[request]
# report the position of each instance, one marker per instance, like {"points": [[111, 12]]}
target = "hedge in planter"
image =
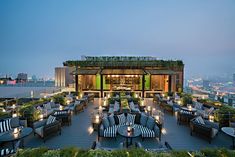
{"points": [[225, 114], [76, 152]]}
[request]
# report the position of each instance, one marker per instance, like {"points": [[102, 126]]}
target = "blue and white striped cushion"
{"points": [[111, 131], [185, 112], [6, 151], [50, 119], [121, 118], [60, 112], [130, 118], [5, 125], [145, 132]]}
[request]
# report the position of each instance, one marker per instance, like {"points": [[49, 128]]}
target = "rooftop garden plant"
{"points": [[186, 99], [224, 115], [124, 61], [133, 152]]}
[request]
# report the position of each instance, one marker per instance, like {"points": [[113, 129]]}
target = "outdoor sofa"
{"points": [[147, 125], [45, 128], [208, 130]]}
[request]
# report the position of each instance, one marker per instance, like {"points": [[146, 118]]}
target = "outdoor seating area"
{"points": [[134, 122]]}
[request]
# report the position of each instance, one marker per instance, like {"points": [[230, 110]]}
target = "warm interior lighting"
{"points": [[142, 103], [14, 115], [108, 95], [77, 97], [104, 102], [3, 110], [13, 106], [149, 108], [81, 95]]}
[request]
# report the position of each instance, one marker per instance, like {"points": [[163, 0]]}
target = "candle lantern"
{"points": [[128, 129], [211, 118], [16, 131]]}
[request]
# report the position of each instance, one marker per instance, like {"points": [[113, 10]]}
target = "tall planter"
{"points": [[224, 115]]}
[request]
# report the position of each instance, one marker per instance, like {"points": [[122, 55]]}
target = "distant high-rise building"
{"points": [[206, 83], [62, 77], [22, 78]]}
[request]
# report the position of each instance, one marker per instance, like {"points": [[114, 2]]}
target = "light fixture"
{"points": [[68, 102], [128, 129], [41, 117], [157, 118], [61, 107], [14, 115], [16, 130], [211, 118]]}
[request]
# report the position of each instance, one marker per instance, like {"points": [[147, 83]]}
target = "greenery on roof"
{"points": [[124, 61]]}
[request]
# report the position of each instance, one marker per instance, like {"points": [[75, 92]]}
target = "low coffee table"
{"points": [[11, 137], [122, 130], [231, 132]]}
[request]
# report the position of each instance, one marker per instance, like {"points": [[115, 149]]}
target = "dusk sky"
{"points": [[38, 35]]}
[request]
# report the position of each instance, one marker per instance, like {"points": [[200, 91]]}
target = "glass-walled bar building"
{"points": [[144, 75]]}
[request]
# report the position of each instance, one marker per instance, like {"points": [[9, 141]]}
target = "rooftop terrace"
{"points": [[81, 134]]}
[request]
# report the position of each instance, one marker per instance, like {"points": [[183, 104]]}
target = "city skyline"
{"points": [[37, 36]]}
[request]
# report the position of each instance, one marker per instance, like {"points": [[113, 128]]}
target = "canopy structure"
{"points": [[85, 72], [160, 72], [123, 72]]}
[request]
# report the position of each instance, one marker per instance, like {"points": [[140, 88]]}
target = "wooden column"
{"points": [[76, 83], [101, 85], [143, 84], [169, 83]]}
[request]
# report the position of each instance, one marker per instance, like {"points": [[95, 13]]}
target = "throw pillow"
{"points": [[116, 119], [47, 106], [50, 119], [122, 118], [150, 123], [111, 120], [137, 118], [5, 125], [200, 120], [143, 119], [130, 118], [105, 122]]}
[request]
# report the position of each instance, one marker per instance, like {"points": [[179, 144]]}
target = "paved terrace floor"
{"points": [[80, 134]]}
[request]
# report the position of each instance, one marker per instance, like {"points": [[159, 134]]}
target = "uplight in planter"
{"points": [[211, 118], [41, 117]]}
